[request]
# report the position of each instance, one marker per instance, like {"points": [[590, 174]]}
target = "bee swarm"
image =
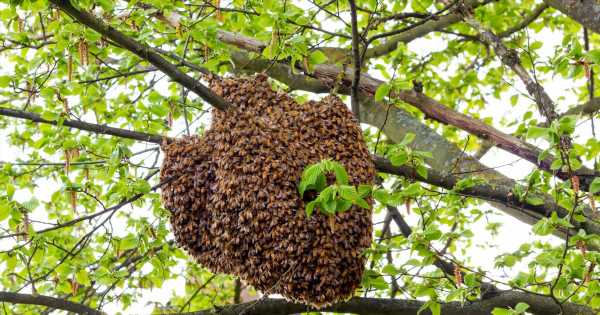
{"points": [[234, 198]]}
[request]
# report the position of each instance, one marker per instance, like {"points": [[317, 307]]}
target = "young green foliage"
{"points": [[337, 197]]}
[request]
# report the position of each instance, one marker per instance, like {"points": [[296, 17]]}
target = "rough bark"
{"points": [[48, 301], [585, 12], [499, 194], [377, 306], [587, 108]]}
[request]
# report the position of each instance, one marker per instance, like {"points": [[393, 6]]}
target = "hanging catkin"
{"points": [[235, 203]]}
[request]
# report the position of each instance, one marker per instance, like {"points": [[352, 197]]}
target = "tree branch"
{"points": [[101, 129], [535, 13], [434, 110], [88, 217], [42, 300], [379, 306], [511, 59], [585, 12], [143, 52], [586, 108], [356, 61], [433, 25], [494, 193]]}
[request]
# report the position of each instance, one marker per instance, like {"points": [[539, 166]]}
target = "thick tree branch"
{"points": [[143, 52], [586, 108], [494, 193], [434, 110], [378, 306], [585, 12], [42, 300]]}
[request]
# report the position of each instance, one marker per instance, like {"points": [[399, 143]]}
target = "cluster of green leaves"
{"points": [[532, 189], [401, 153], [565, 126], [331, 199]]}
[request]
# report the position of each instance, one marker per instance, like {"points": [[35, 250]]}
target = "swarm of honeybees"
{"points": [[234, 198]]}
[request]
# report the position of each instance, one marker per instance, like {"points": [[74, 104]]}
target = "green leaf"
{"points": [[82, 277], [317, 57], [348, 192], [362, 203], [556, 164], [321, 183], [106, 5], [364, 190], [390, 269], [5, 209], [514, 99], [381, 195], [421, 170], [521, 307], [535, 200], [432, 234], [543, 227], [5, 81], [382, 91], [594, 56], [328, 207], [398, 159], [31, 204], [534, 132], [595, 185], [435, 308], [408, 138], [411, 190], [310, 174], [310, 207], [341, 176], [129, 242], [343, 205], [502, 311], [566, 124], [141, 186]]}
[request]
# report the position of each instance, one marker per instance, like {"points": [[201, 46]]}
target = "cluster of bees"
{"points": [[235, 203]]}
